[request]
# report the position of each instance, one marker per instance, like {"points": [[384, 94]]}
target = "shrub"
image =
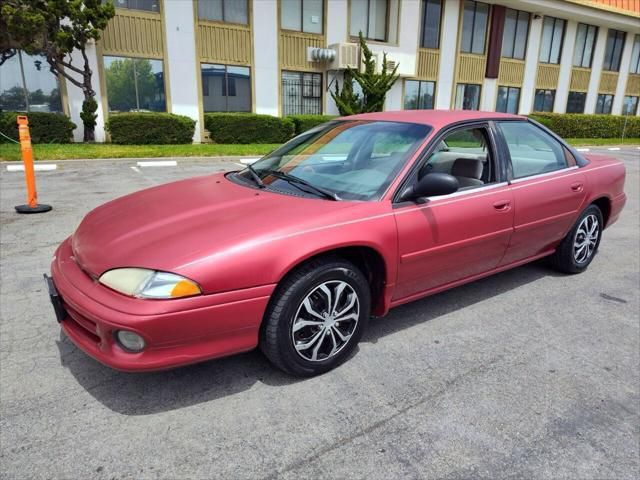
{"points": [[577, 125], [307, 122], [248, 128], [44, 127], [150, 128]]}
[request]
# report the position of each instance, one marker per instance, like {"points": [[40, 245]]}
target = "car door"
{"points": [[456, 236], [547, 185]]}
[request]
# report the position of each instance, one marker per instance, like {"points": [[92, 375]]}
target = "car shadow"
{"points": [[149, 393], [434, 306]]}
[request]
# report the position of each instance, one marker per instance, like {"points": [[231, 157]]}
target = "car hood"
{"points": [[174, 225]]}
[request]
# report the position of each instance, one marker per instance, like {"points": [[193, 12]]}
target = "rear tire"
{"points": [[579, 247], [316, 317]]}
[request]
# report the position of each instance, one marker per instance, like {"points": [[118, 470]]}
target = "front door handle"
{"points": [[577, 187], [502, 205]]}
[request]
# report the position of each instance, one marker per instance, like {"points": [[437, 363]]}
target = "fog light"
{"points": [[130, 341]]}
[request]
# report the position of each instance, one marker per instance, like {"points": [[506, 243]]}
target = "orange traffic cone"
{"points": [[29, 173]]}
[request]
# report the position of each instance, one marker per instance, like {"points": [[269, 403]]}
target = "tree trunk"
{"points": [[89, 129], [59, 66]]}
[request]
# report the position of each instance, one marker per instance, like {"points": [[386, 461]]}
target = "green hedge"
{"points": [[44, 127], [150, 128], [307, 122], [577, 125], [248, 128]]}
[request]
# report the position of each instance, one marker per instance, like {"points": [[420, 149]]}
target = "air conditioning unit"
{"points": [[346, 56], [378, 57], [391, 64]]}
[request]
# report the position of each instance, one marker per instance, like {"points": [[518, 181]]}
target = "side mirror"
{"points": [[431, 185]]}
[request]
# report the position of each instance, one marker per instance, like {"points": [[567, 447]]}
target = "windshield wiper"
{"points": [[297, 180], [255, 176]]}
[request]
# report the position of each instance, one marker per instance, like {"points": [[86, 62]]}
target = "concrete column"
{"points": [[528, 91], [625, 64], [596, 69], [448, 52], [76, 97], [566, 64], [489, 94], [337, 32], [265, 53], [183, 67], [393, 100]]}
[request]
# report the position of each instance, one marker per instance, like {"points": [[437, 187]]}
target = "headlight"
{"points": [[143, 283]]}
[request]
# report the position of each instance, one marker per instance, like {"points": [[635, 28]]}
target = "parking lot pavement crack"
{"points": [[479, 370]]}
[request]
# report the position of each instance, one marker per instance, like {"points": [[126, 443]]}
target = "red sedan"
{"points": [[294, 253]]}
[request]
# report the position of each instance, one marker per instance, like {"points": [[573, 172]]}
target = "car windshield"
{"points": [[350, 160]]}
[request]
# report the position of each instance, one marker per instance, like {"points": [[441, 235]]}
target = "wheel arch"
{"points": [[367, 258], [604, 204]]}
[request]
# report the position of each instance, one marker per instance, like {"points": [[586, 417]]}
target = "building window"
{"points": [[431, 15], [635, 56], [604, 104], [230, 11], [552, 35], [543, 101], [516, 31], [508, 99], [370, 18], [613, 50], [134, 84], [467, 96], [418, 95], [575, 103], [474, 27], [147, 5], [585, 45], [301, 15], [301, 93], [225, 88], [27, 85], [630, 105]]}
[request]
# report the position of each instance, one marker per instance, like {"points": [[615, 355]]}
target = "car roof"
{"points": [[435, 118]]}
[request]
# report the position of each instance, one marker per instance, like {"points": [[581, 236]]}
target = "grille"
{"points": [[86, 326]]}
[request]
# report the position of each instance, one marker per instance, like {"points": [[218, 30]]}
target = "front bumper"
{"points": [[177, 332]]}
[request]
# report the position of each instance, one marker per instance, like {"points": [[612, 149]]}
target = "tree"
{"points": [[374, 85], [54, 28], [347, 101]]}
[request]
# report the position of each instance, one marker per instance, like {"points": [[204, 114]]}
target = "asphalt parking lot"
{"points": [[527, 374]]}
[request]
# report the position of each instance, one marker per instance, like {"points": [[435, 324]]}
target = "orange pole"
{"points": [[27, 158], [29, 172]]}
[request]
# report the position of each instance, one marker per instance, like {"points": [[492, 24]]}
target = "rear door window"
{"points": [[532, 150]]}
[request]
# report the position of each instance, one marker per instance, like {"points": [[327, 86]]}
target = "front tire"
{"points": [[579, 247], [316, 317]]}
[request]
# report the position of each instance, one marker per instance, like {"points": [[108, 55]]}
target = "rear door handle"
{"points": [[577, 187], [502, 206]]}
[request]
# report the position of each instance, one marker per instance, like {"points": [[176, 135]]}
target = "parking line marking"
{"points": [[249, 161], [158, 163], [136, 169], [613, 148], [44, 167], [583, 149]]}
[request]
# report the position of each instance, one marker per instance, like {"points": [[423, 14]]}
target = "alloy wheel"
{"points": [[586, 239], [325, 321]]}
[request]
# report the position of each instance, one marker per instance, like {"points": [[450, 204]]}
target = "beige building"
{"points": [[281, 57]]}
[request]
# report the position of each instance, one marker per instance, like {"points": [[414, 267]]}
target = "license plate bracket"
{"points": [[56, 299]]}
